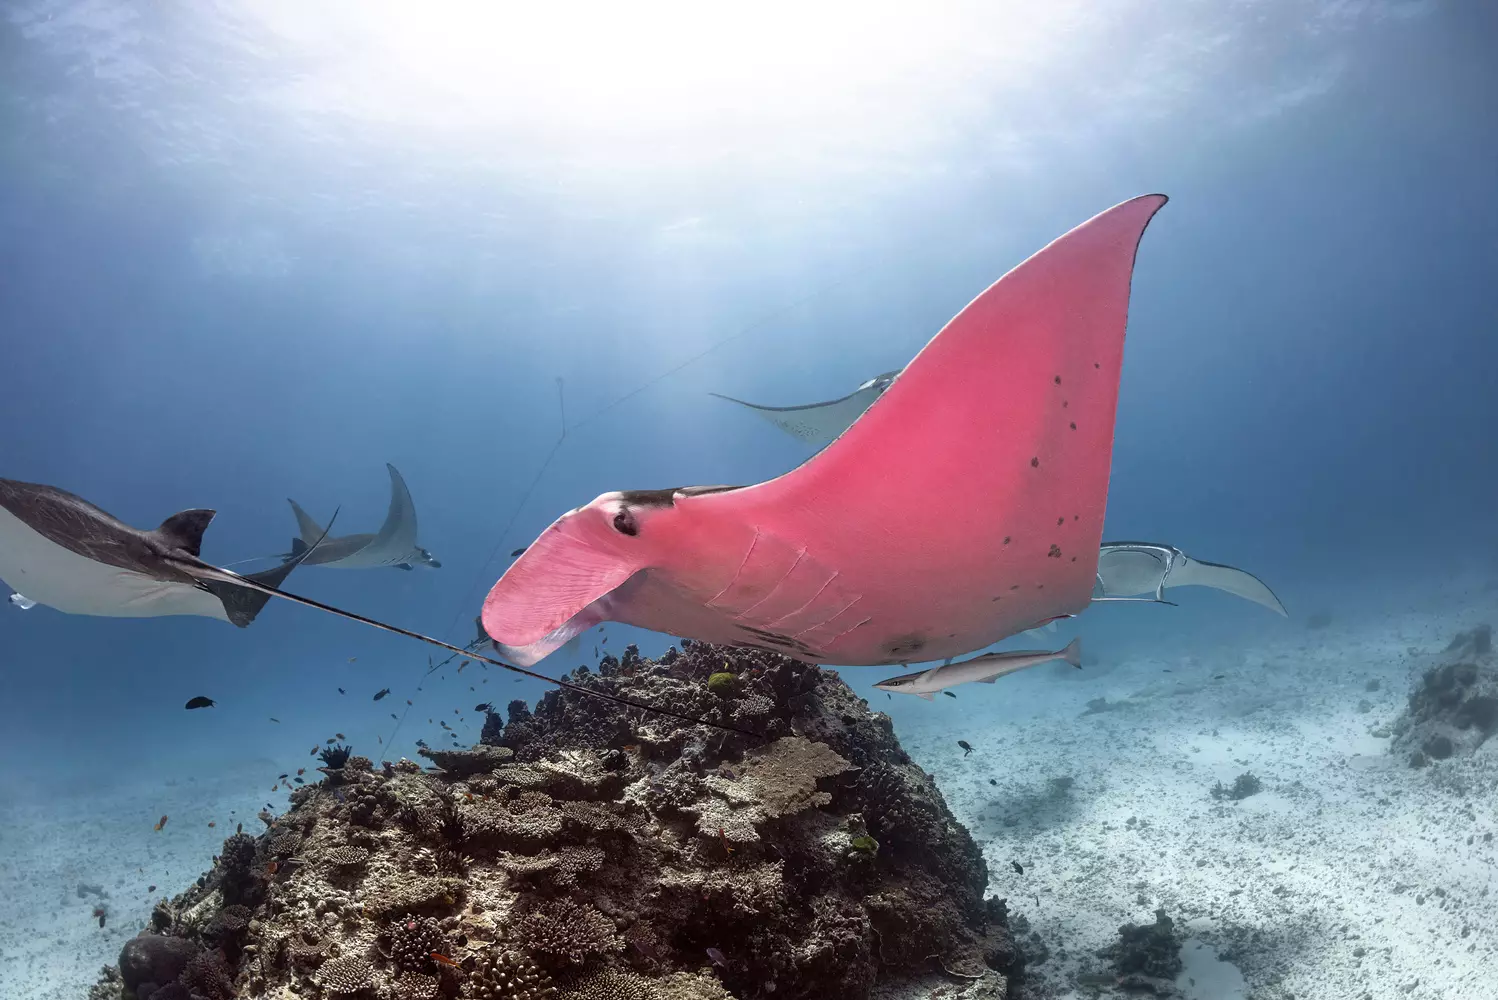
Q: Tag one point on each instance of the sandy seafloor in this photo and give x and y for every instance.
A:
(1350, 875)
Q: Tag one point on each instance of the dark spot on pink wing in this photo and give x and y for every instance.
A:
(1034, 463)
(1096, 365)
(1015, 587)
(1073, 558)
(1060, 521)
(1006, 539)
(1058, 379)
(1065, 403)
(1073, 425)
(1055, 552)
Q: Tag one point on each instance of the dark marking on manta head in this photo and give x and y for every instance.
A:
(906, 644)
(667, 497)
(1035, 463)
(1055, 552)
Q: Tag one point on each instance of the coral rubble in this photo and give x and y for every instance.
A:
(584, 852)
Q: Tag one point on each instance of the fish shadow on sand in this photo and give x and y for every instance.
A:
(1034, 806)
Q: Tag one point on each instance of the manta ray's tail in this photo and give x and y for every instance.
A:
(243, 603)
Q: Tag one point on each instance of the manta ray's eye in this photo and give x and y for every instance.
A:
(624, 523)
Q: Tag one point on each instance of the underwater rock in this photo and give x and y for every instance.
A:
(1148, 950)
(1453, 708)
(585, 852)
(154, 958)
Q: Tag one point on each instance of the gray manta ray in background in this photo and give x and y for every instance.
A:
(819, 424)
(393, 545)
(60, 550)
(1125, 569)
(1128, 569)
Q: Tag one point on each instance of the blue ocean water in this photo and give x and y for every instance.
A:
(251, 252)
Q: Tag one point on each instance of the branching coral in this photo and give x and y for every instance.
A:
(564, 931)
(237, 861)
(507, 975)
(207, 976)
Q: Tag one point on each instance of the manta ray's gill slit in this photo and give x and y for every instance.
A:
(738, 572)
(801, 554)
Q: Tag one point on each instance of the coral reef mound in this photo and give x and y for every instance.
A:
(587, 851)
(1453, 708)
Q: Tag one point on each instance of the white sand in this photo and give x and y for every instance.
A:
(1349, 876)
(51, 947)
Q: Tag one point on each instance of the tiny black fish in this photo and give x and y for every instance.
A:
(342, 691)
(1017, 867)
(992, 782)
(200, 702)
(275, 720)
(331, 742)
(481, 708)
(949, 694)
(967, 747)
(421, 743)
(517, 552)
(150, 888)
(284, 776)
(382, 692)
(301, 781)
(395, 717)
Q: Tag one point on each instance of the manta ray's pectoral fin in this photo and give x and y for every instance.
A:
(398, 533)
(309, 529)
(1228, 579)
(1134, 600)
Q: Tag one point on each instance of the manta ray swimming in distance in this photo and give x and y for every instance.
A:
(964, 505)
(393, 545)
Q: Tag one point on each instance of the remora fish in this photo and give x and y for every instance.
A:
(984, 669)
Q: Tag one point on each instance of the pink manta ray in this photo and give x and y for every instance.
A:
(949, 516)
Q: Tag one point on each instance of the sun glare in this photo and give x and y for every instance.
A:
(651, 69)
